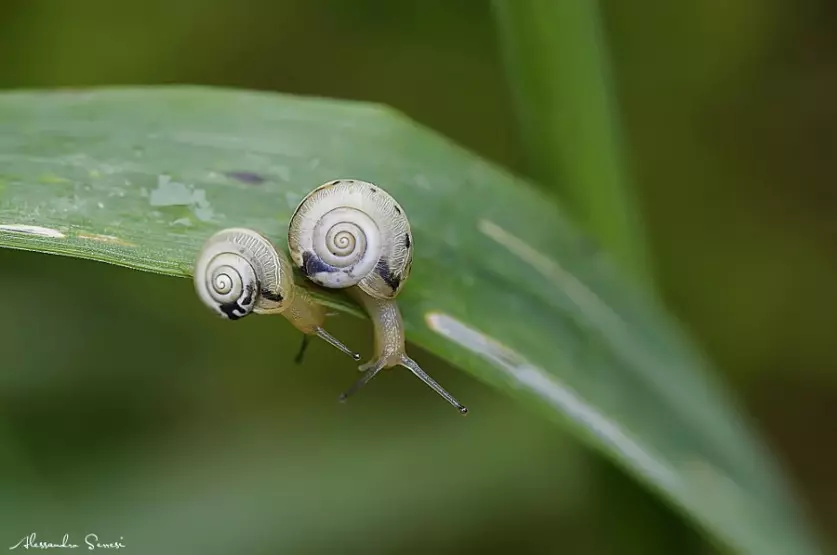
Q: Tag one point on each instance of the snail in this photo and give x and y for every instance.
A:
(352, 235)
(239, 272)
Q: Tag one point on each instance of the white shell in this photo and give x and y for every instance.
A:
(238, 272)
(348, 232)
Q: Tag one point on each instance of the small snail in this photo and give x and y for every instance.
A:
(238, 272)
(352, 234)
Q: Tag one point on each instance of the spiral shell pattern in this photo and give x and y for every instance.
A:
(349, 232)
(238, 272)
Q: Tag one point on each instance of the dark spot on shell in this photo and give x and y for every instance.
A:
(275, 297)
(250, 178)
(407, 240)
(393, 280)
(249, 298)
(373, 189)
(233, 310)
(397, 209)
(311, 264)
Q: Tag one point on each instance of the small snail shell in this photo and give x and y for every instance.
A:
(352, 234)
(239, 272)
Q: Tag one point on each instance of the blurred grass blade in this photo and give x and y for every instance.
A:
(502, 285)
(253, 486)
(558, 68)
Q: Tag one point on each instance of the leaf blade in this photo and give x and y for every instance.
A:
(502, 284)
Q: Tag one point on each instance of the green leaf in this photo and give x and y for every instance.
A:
(502, 285)
(556, 57)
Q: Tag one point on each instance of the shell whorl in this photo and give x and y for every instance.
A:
(238, 271)
(348, 232)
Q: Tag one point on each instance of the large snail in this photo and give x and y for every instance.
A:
(239, 272)
(350, 234)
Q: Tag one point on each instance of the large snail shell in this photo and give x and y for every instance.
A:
(349, 232)
(238, 272)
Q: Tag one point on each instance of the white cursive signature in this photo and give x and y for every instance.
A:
(90, 540)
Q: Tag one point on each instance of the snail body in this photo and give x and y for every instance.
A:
(239, 272)
(350, 234)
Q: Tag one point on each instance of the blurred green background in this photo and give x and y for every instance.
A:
(127, 410)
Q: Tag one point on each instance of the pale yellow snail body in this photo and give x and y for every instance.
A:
(350, 234)
(239, 272)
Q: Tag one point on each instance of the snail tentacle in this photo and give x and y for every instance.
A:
(328, 338)
(369, 372)
(413, 367)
